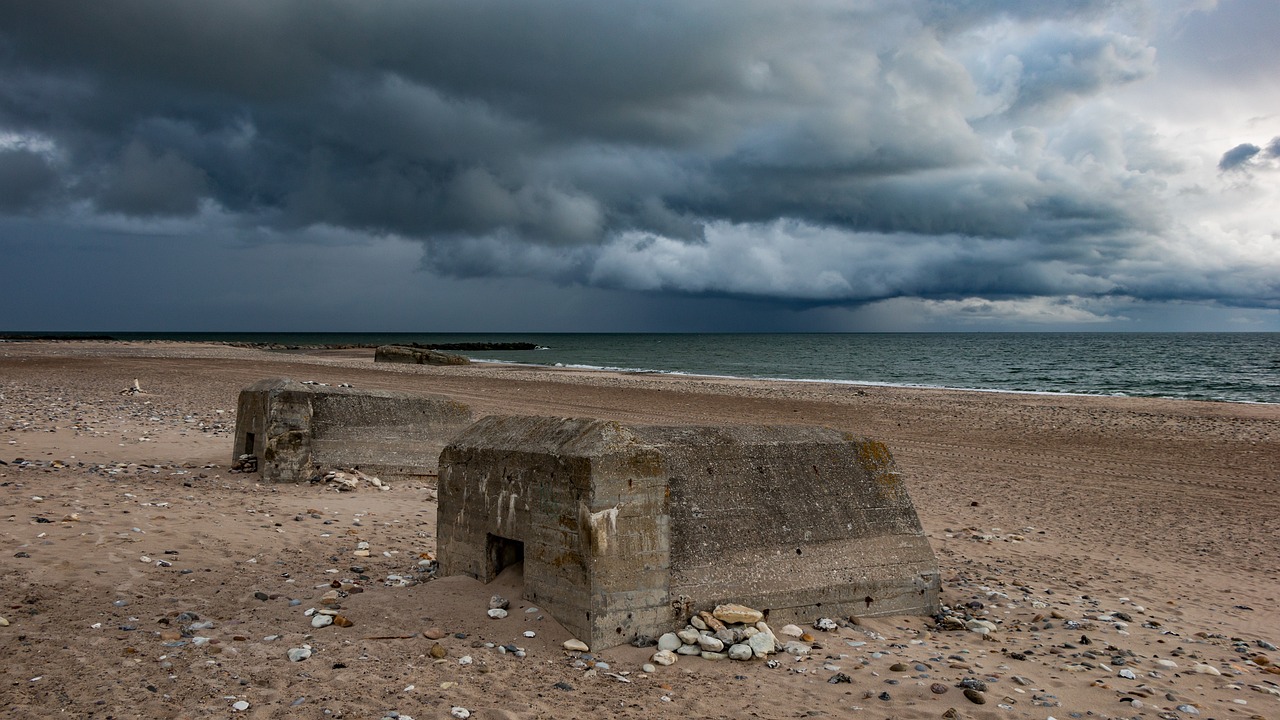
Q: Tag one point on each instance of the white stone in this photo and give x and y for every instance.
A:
(239, 706)
(1205, 669)
(741, 652)
(697, 623)
(664, 657)
(460, 712)
(825, 624)
(576, 646)
(299, 654)
(793, 631)
(319, 621)
(761, 644)
(689, 636)
(497, 613)
(796, 648)
(649, 668)
(688, 650)
(710, 643)
(708, 655)
(669, 641)
(1166, 664)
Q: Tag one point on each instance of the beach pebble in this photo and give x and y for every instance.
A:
(669, 641)
(688, 650)
(576, 646)
(664, 657)
(741, 652)
(497, 613)
(688, 636)
(649, 668)
(1205, 669)
(1189, 709)
(320, 620)
(737, 614)
(791, 631)
(460, 712)
(975, 697)
(825, 624)
(240, 706)
(710, 643)
(761, 644)
(796, 648)
(299, 654)
(1127, 674)
(497, 602)
(1166, 664)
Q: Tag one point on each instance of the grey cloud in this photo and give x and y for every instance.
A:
(1273, 147)
(27, 180)
(1238, 156)
(143, 183)
(656, 146)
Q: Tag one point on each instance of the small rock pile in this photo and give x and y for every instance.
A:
(347, 480)
(734, 632)
(245, 464)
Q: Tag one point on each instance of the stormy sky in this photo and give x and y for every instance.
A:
(563, 165)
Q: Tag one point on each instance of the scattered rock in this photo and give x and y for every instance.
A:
(299, 654)
(576, 646)
(975, 697)
(664, 657)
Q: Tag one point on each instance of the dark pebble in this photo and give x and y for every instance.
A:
(972, 684)
(562, 686)
(260, 595)
(839, 678)
(885, 696)
(898, 667)
(938, 689)
(975, 697)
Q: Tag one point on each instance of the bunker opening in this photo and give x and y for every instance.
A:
(502, 553)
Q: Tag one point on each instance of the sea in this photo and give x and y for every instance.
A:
(1230, 367)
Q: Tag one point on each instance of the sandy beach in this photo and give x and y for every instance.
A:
(1127, 550)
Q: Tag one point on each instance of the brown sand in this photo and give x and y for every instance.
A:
(1049, 511)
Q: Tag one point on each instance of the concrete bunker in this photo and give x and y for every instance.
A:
(298, 429)
(623, 530)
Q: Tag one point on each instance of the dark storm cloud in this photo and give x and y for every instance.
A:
(1238, 156)
(26, 180)
(817, 151)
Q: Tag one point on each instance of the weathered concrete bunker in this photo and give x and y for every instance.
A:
(624, 529)
(298, 429)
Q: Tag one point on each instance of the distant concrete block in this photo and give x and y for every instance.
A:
(297, 429)
(623, 529)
